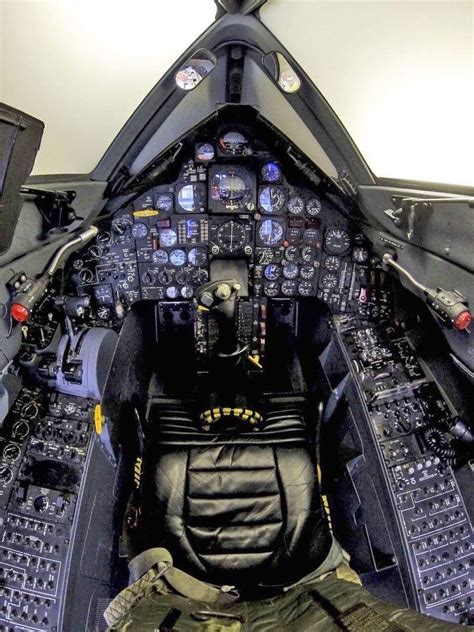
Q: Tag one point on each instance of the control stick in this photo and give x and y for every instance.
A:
(220, 297)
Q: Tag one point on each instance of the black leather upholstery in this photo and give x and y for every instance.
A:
(243, 508)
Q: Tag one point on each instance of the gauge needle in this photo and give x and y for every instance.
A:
(231, 235)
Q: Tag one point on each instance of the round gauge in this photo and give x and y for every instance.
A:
(21, 428)
(291, 253)
(205, 152)
(329, 280)
(191, 198)
(78, 264)
(313, 207)
(232, 186)
(307, 271)
(139, 230)
(305, 288)
(104, 312)
(296, 205)
(199, 276)
(272, 199)
(233, 143)
(270, 232)
(178, 257)
(293, 234)
(271, 272)
(164, 202)
(311, 236)
(95, 252)
(6, 474)
(172, 292)
(86, 275)
(271, 172)
(332, 263)
(121, 225)
(182, 277)
(288, 288)
(104, 238)
(11, 452)
(360, 254)
(307, 253)
(271, 289)
(168, 237)
(232, 236)
(164, 277)
(160, 257)
(197, 257)
(291, 271)
(187, 290)
(337, 241)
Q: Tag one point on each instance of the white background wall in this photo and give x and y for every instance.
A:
(399, 74)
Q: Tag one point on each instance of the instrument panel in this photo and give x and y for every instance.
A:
(227, 204)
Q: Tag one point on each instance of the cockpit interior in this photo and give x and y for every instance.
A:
(235, 359)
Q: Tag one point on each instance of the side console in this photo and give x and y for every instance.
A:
(46, 450)
(396, 452)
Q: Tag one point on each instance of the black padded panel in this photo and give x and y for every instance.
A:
(241, 508)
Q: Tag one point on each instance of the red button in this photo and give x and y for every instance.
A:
(463, 320)
(19, 312)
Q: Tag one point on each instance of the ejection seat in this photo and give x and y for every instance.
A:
(235, 507)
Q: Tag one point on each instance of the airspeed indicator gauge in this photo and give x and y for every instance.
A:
(337, 241)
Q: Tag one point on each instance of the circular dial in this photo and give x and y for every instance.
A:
(272, 199)
(329, 280)
(270, 232)
(139, 230)
(232, 236)
(95, 252)
(311, 236)
(233, 143)
(121, 225)
(187, 291)
(271, 172)
(293, 234)
(86, 275)
(199, 276)
(332, 263)
(292, 253)
(160, 257)
(360, 254)
(313, 207)
(337, 241)
(305, 288)
(6, 474)
(271, 289)
(178, 257)
(197, 257)
(307, 271)
(288, 288)
(164, 202)
(290, 271)
(172, 292)
(191, 198)
(307, 253)
(104, 238)
(296, 205)
(232, 186)
(168, 237)
(11, 452)
(272, 272)
(104, 312)
(205, 152)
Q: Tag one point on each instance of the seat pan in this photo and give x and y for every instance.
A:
(242, 509)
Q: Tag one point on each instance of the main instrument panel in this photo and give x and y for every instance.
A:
(230, 211)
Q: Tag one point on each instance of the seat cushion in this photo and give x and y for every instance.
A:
(241, 509)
